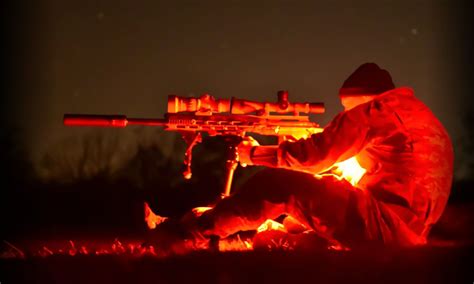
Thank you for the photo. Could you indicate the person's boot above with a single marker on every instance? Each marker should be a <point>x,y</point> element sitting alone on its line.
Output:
<point>171,237</point>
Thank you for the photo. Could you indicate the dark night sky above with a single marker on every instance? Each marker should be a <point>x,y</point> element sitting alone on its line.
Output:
<point>127,56</point>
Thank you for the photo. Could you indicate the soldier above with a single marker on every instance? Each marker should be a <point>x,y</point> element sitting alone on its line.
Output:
<point>404,150</point>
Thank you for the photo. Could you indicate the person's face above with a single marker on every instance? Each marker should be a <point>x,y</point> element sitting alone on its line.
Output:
<point>350,102</point>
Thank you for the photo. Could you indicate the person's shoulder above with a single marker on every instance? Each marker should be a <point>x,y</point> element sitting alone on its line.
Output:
<point>395,97</point>
<point>397,92</point>
<point>383,104</point>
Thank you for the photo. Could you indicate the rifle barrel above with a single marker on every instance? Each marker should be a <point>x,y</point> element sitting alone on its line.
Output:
<point>119,121</point>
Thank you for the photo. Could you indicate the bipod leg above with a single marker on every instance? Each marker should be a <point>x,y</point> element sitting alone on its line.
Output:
<point>191,140</point>
<point>231,163</point>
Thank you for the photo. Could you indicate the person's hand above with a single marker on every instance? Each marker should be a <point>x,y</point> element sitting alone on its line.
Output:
<point>245,150</point>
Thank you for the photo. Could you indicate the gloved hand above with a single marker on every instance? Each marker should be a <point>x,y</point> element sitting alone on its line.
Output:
<point>245,150</point>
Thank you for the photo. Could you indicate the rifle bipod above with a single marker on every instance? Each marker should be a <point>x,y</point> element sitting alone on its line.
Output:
<point>231,163</point>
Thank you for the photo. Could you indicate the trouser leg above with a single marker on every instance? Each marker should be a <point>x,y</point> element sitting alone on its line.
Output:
<point>326,205</point>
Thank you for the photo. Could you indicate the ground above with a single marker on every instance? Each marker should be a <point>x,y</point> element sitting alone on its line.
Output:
<point>422,265</point>
<point>107,241</point>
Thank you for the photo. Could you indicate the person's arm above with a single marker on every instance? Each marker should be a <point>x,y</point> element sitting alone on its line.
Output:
<point>343,138</point>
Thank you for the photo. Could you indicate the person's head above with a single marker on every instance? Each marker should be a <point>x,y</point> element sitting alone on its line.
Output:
<point>364,84</point>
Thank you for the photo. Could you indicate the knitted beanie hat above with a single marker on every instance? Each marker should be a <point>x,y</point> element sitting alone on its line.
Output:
<point>367,79</point>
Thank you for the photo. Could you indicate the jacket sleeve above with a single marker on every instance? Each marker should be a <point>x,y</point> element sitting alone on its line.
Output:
<point>343,138</point>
